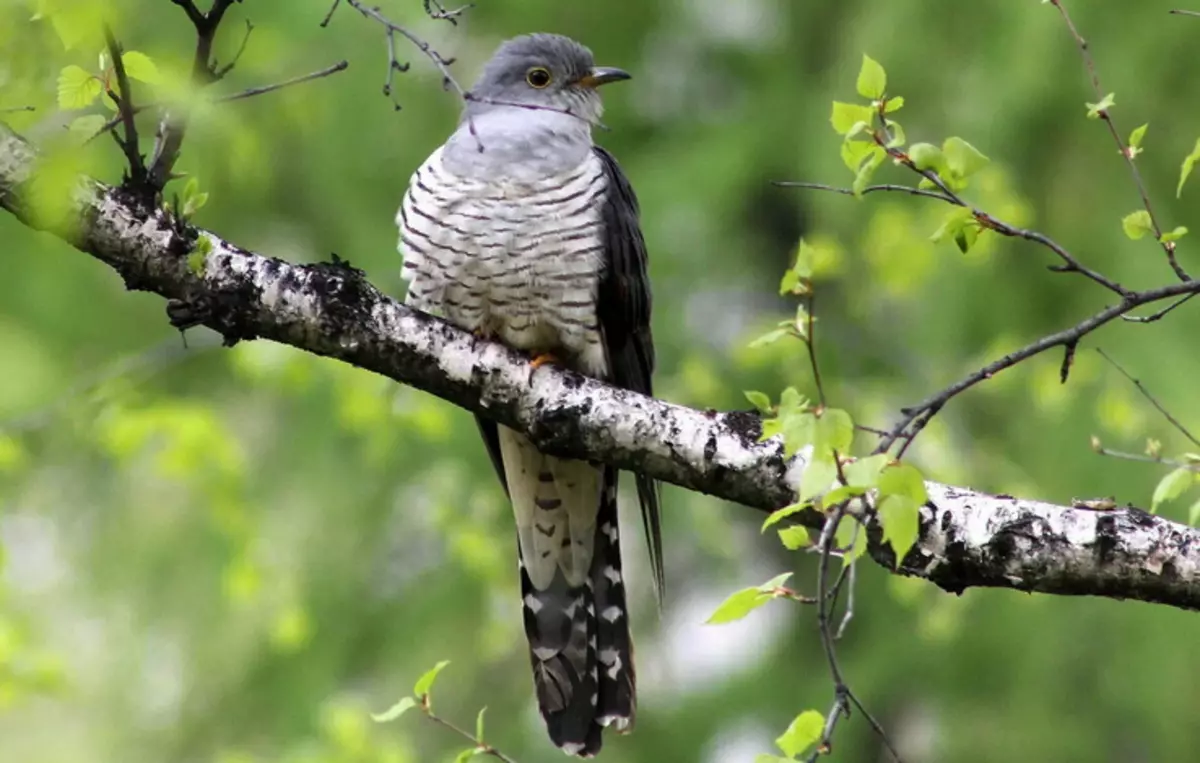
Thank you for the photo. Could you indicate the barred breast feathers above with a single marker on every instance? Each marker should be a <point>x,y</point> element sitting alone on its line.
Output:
<point>516,257</point>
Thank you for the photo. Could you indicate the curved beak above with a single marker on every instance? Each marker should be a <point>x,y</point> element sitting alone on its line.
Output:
<point>602,75</point>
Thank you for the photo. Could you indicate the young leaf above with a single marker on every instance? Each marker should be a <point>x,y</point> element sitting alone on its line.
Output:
<point>425,682</point>
<point>956,219</point>
<point>846,115</point>
<point>139,67</point>
<point>872,79</point>
<point>759,400</point>
<point>738,605</point>
<point>803,732</point>
<point>86,126</point>
<point>1174,235</point>
<point>796,279</point>
<point>866,170</point>
<point>900,517</point>
<point>855,152</point>
<point>1171,487</point>
<point>479,724</point>
<point>962,158</point>
<point>771,337</point>
<point>780,514</point>
<point>77,88</point>
<point>926,156</point>
<point>835,431</point>
<point>1137,224</point>
<point>1189,162</point>
<point>905,480</point>
<point>894,103</point>
<point>864,472</point>
<point>1094,110</point>
<point>1135,137</point>
<point>818,476</point>
<point>467,754</point>
<point>794,537</point>
<point>395,711</point>
<point>775,582</point>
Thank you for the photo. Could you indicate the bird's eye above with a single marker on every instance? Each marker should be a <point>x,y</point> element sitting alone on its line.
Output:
<point>538,77</point>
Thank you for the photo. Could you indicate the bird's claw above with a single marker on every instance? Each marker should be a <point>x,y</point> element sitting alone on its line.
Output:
<point>542,359</point>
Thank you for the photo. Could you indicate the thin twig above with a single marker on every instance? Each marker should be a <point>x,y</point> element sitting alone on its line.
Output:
<point>1178,12</point>
<point>221,72</point>
<point>1072,264</point>
<point>11,109</point>
<point>1189,465</point>
<point>436,10</point>
<point>917,416</point>
<point>1159,314</point>
<point>1153,401</point>
<point>251,92</point>
<point>482,748</point>
<point>1104,114</point>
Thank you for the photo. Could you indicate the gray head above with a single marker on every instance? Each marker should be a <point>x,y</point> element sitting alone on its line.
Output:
<point>542,71</point>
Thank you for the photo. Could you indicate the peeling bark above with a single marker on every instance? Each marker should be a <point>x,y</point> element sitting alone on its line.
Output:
<point>967,538</point>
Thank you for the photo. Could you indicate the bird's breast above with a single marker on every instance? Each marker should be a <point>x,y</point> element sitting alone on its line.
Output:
<point>517,259</point>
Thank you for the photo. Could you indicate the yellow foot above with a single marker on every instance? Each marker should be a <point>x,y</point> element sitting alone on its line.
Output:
<point>542,359</point>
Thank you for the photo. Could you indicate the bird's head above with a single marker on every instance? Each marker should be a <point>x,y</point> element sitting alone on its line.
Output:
<point>543,72</point>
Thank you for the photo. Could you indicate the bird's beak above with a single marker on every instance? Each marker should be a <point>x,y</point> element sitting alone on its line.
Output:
<point>602,75</point>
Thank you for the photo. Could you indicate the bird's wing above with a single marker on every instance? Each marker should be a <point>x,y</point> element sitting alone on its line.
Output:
<point>623,309</point>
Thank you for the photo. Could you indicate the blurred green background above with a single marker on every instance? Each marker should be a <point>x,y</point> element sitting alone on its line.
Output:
<point>235,555</point>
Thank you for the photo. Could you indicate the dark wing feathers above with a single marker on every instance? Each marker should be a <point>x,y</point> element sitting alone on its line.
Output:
<point>623,307</point>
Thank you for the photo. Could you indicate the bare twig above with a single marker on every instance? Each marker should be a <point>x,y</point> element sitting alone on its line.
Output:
<point>173,125</point>
<point>438,11</point>
<point>1158,314</point>
<point>917,416</point>
<point>125,111</point>
<point>1178,12</point>
<point>1149,397</point>
<point>11,109</point>
<point>221,72</point>
<point>251,92</point>
<point>1104,114</point>
<point>481,747</point>
<point>1071,263</point>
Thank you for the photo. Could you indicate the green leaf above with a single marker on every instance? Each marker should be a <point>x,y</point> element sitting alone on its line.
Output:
<point>196,262</point>
<point>77,88</point>
<point>864,472</point>
<point>771,337</point>
<point>952,226</point>
<point>1135,137</point>
<point>759,400</point>
<point>1107,102</point>
<point>897,131</point>
<point>872,79</point>
<point>963,159</point>
<point>893,104</point>
<point>803,732</point>
<point>855,152</point>
<point>904,480</point>
<point>846,115</point>
<point>866,170</point>
<point>1189,162</point>
<point>467,754</point>
<point>1137,224</point>
<point>763,757</point>
<point>86,126</point>
<point>901,520</point>
<point>818,476</point>
<point>799,429</point>
<point>780,514</point>
<point>794,537</point>
<point>479,725</point>
<point>139,67</point>
<point>796,279</point>
<point>425,682</point>
<point>1174,235</point>
<point>835,431</point>
<point>852,537</point>
<point>395,711</point>
<point>738,605</point>
<point>1171,487</point>
<point>926,156</point>
<point>775,582</point>
<point>840,494</point>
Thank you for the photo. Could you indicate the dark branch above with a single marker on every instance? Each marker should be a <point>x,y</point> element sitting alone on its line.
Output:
<point>125,112</point>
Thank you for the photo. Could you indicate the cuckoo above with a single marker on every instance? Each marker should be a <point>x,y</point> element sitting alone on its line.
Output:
<point>520,229</point>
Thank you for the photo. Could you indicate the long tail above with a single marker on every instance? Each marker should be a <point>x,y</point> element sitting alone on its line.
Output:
<point>573,593</point>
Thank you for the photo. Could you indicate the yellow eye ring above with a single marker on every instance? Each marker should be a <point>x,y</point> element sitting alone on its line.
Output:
<point>538,77</point>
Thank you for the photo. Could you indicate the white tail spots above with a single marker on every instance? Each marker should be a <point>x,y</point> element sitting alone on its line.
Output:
<point>613,574</point>
<point>533,603</point>
<point>611,614</point>
<point>544,653</point>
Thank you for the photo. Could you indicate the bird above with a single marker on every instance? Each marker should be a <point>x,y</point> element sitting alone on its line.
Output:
<point>522,230</point>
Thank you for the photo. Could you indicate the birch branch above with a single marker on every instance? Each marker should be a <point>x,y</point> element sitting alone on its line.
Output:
<point>967,538</point>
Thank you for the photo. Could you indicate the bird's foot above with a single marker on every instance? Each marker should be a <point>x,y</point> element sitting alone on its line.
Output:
<point>542,359</point>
